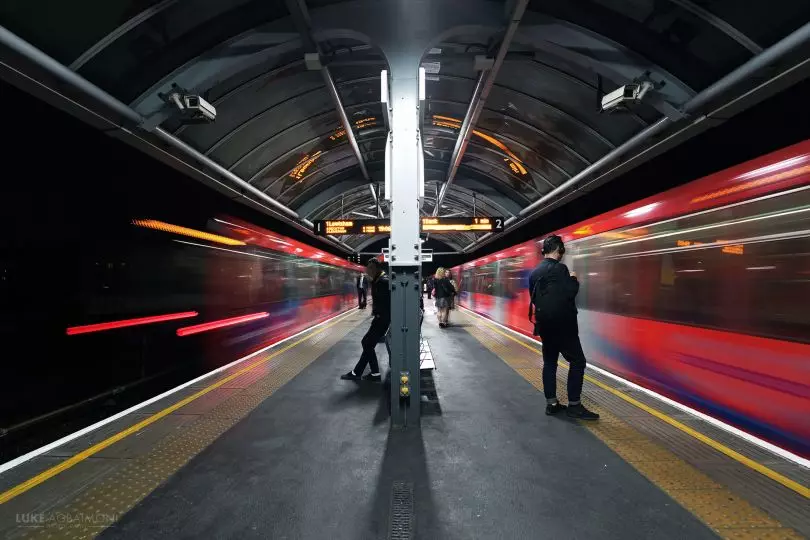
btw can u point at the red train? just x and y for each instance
(700, 293)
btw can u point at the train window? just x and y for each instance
(744, 268)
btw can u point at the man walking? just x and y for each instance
(361, 290)
(553, 290)
(381, 313)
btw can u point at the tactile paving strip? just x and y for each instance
(102, 503)
(644, 442)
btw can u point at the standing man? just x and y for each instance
(381, 313)
(553, 290)
(361, 290)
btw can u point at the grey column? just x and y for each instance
(405, 263)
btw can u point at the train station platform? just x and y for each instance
(278, 447)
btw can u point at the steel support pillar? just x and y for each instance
(405, 248)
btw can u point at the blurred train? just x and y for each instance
(700, 293)
(150, 306)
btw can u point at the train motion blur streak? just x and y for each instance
(155, 310)
(700, 293)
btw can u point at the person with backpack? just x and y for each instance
(553, 290)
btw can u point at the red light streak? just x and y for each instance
(86, 329)
(213, 325)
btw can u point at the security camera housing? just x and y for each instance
(625, 95)
(198, 109)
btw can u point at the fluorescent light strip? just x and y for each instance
(73, 436)
(781, 452)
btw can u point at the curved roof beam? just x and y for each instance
(288, 153)
(300, 15)
(551, 139)
(113, 36)
(323, 161)
(548, 106)
(286, 102)
(497, 152)
(498, 202)
(720, 24)
(479, 177)
(511, 143)
(312, 205)
(482, 89)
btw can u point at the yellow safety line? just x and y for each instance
(98, 447)
(748, 462)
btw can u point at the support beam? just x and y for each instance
(300, 14)
(639, 142)
(376, 200)
(482, 88)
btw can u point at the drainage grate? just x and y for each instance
(401, 511)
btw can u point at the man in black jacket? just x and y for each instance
(381, 311)
(553, 292)
(361, 284)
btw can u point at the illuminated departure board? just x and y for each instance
(352, 226)
(462, 224)
(437, 225)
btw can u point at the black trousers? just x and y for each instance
(376, 332)
(361, 297)
(567, 343)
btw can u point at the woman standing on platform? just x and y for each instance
(444, 292)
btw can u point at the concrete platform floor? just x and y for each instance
(316, 460)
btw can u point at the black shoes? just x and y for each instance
(581, 413)
(350, 376)
(555, 408)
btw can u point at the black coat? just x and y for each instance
(444, 289)
(381, 298)
(553, 292)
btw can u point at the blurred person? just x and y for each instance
(430, 287)
(362, 284)
(381, 313)
(444, 291)
(553, 290)
(452, 300)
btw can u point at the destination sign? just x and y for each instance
(352, 226)
(462, 224)
(429, 224)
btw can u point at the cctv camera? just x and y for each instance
(625, 95)
(199, 109)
